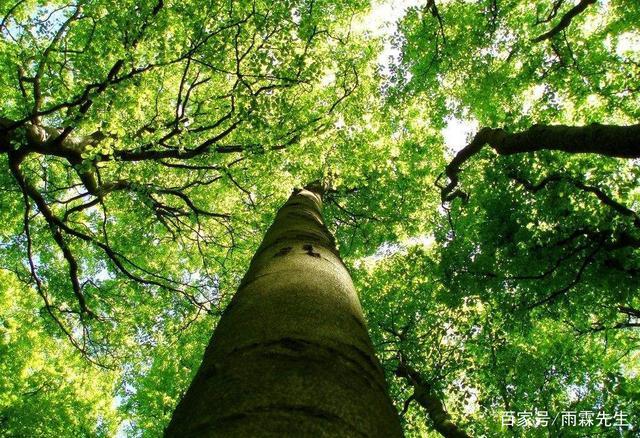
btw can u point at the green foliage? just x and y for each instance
(479, 361)
(195, 120)
(46, 389)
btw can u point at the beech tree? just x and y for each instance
(150, 148)
(291, 353)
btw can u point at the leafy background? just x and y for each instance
(285, 93)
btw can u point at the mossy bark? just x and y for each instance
(291, 355)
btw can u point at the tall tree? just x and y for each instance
(291, 352)
(147, 147)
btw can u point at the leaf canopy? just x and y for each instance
(147, 147)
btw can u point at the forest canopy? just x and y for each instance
(480, 162)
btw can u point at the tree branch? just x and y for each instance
(59, 239)
(607, 140)
(426, 398)
(589, 258)
(565, 21)
(599, 193)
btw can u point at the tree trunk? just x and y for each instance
(291, 355)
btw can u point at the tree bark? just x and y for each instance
(291, 355)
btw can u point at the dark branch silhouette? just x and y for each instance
(424, 395)
(565, 21)
(606, 140)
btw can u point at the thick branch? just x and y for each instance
(607, 140)
(565, 21)
(425, 396)
(630, 311)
